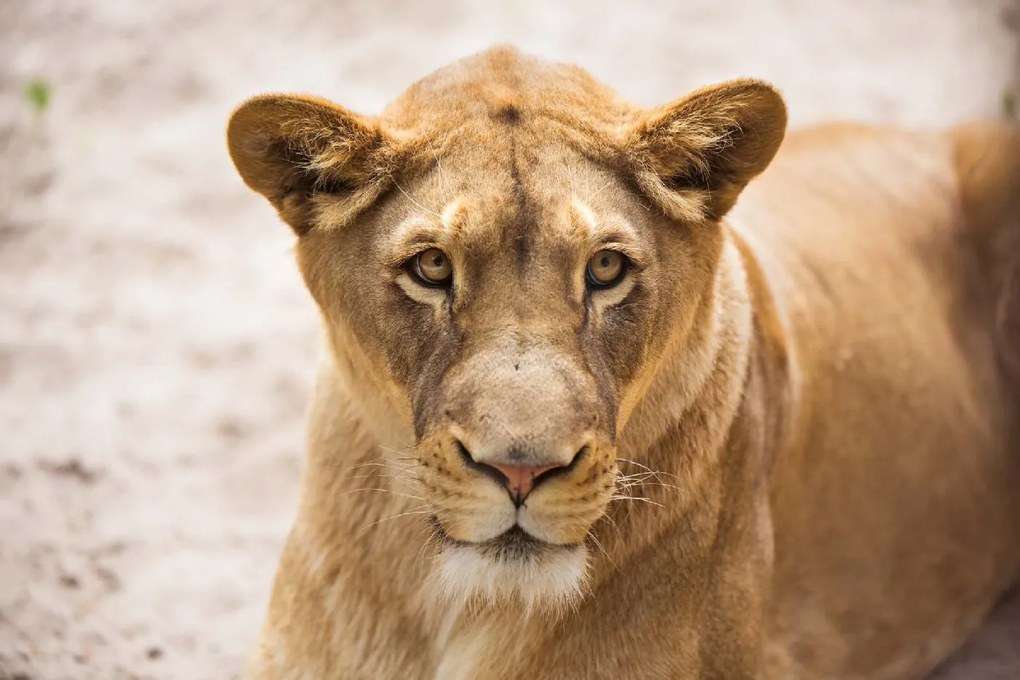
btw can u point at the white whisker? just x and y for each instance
(382, 490)
(397, 516)
(408, 197)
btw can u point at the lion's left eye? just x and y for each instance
(606, 268)
(432, 267)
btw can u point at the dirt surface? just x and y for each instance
(156, 345)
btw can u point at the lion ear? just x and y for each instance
(696, 155)
(292, 149)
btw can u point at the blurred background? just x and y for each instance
(156, 344)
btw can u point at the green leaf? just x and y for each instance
(38, 92)
(1009, 104)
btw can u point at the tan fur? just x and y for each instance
(795, 422)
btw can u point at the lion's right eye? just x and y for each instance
(606, 268)
(432, 267)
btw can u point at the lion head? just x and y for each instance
(502, 260)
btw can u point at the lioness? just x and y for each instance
(580, 419)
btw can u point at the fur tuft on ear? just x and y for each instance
(292, 149)
(694, 156)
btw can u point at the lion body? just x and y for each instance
(842, 499)
(885, 295)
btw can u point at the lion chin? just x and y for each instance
(512, 569)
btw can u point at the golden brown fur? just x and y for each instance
(792, 431)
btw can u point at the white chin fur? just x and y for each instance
(548, 580)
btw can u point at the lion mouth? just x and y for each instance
(514, 544)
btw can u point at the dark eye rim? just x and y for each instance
(413, 267)
(595, 284)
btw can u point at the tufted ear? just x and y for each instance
(696, 155)
(295, 149)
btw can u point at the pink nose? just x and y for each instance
(520, 479)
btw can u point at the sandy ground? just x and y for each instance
(156, 345)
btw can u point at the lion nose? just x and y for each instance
(519, 480)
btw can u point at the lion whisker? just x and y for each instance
(635, 498)
(647, 469)
(601, 547)
(388, 478)
(439, 165)
(390, 491)
(432, 538)
(404, 449)
(409, 198)
(425, 510)
(643, 483)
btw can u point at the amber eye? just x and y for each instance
(432, 267)
(606, 268)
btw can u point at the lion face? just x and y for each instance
(512, 310)
(507, 273)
